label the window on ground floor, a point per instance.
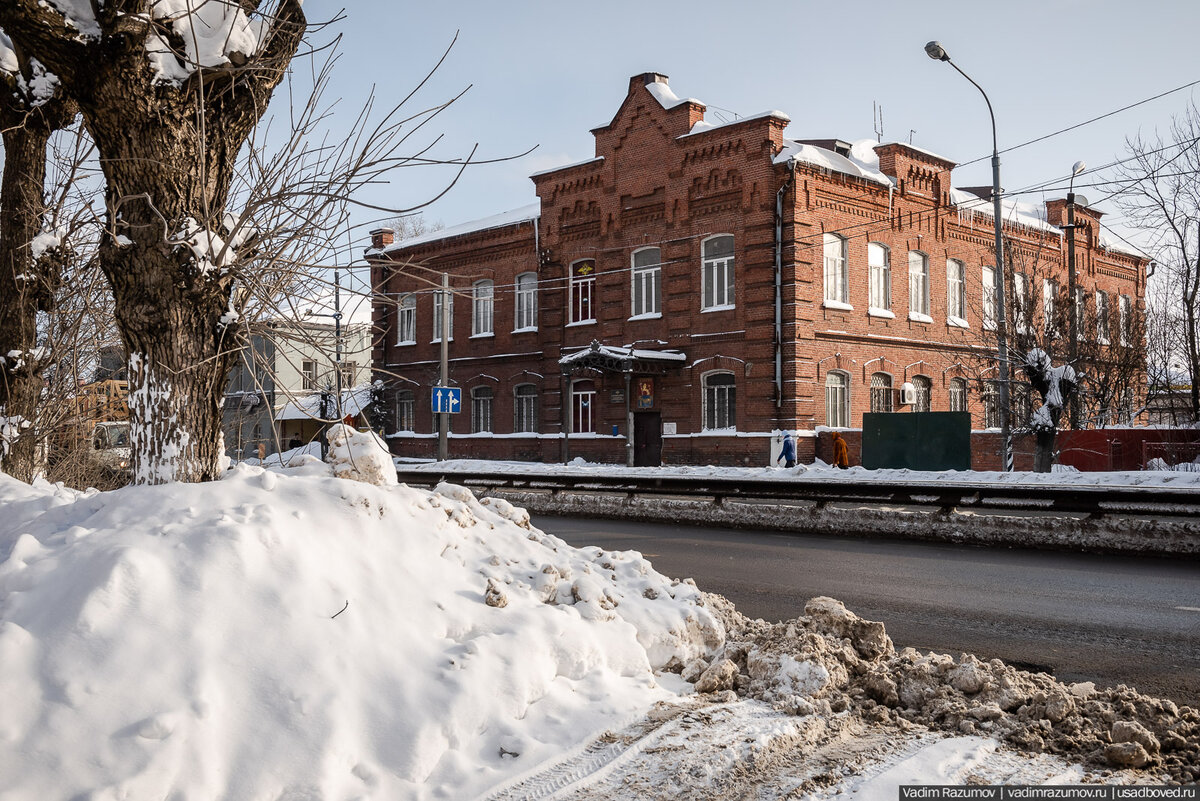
(583, 403)
(481, 410)
(525, 414)
(837, 399)
(883, 398)
(924, 387)
(720, 401)
(404, 410)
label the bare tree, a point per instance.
(1159, 191)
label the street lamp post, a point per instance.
(935, 51)
(1078, 167)
(337, 345)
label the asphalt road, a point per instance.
(1082, 617)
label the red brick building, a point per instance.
(707, 285)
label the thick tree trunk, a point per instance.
(1043, 456)
(24, 292)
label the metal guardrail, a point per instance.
(1074, 500)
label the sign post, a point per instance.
(444, 419)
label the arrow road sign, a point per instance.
(446, 400)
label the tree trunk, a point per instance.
(1043, 457)
(24, 293)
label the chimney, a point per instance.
(647, 78)
(382, 237)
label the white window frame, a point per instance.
(483, 308)
(482, 400)
(580, 291)
(405, 407)
(988, 294)
(837, 289)
(308, 374)
(525, 312)
(879, 277)
(1125, 312)
(525, 409)
(719, 401)
(1049, 292)
(1102, 326)
(837, 399)
(716, 276)
(583, 407)
(1021, 302)
(645, 284)
(349, 372)
(437, 315)
(957, 392)
(956, 292)
(991, 404)
(406, 320)
(918, 286)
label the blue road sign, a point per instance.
(447, 400)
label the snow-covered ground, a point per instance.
(288, 634)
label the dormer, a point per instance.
(915, 171)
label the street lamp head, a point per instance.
(1078, 168)
(935, 51)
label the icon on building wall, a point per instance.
(645, 393)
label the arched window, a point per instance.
(481, 409)
(717, 273)
(924, 388)
(882, 397)
(720, 401)
(958, 395)
(583, 282)
(918, 283)
(583, 403)
(526, 311)
(647, 282)
(483, 308)
(879, 268)
(1022, 404)
(837, 399)
(836, 280)
(404, 410)
(406, 320)
(991, 404)
(525, 411)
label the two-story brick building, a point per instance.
(705, 286)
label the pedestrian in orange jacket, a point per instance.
(841, 456)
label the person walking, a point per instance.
(841, 457)
(787, 454)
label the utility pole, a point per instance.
(444, 417)
(1073, 412)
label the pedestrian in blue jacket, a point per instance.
(787, 454)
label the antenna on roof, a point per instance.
(911, 131)
(877, 119)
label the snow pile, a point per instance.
(11, 427)
(291, 635)
(213, 32)
(360, 455)
(832, 661)
(211, 251)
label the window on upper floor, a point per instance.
(1049, 292)
(406, 320)
(924, 387)
(720, 401)
(646, 287)
(837, 399)
(308, 374)
(836, 281)
(956, 290)
(988, 285)
(1020, 311)
(918, 285)
(481, 409)
(404, 410)
(1125, 320)
(879, 275)
(525, 411)
(1102, 328)
(349, 374)
(526, 302)
(716, 272)
(437, 316)
(883, 397)
(483, 308)
(958, 395)
(583, 284)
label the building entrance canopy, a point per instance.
(622, 359)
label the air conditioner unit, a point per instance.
(908, 394)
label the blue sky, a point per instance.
(543, 73)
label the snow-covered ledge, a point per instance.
(876, 311)
(836, 304)
(957, 322)
(917, 317)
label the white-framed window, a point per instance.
(349, 374)
(924, 387)
(879, 275)
(1080, 305)
(956, 286)
(1102, 327)
(437, 315)
(918, 283)
(1049, 292)
(406, 320)
(525, 412)
(991, 404)
(958, 395)
(1021, 403)
(837, 399)
(483, 308)
(1124, 311)
(720, 401)
(481, 409)
(836, 280)
(583, 404)
(583, 283)
(646, 287)
(526, 302)
(989, 297)
(308, 373)
(716, 273)
(404, 410)
(1021, 302)
(883, 397)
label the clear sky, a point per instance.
(543, 73)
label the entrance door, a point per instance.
(647, 439)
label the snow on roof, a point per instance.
(308, 407)
(626, 352)
(1014, 212)
(666, 98)
(703, 126)
(920, 150)
(523, 214)
(566, 166)
(862, 162)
